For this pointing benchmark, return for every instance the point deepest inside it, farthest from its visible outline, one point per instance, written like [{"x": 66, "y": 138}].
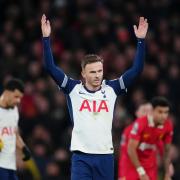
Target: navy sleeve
[
  {"x": 61, "y": 79},
  {"x": 130, "y": 75},
  {"x": 120, "y": 85},
  {"x": 117, "y": 85}
]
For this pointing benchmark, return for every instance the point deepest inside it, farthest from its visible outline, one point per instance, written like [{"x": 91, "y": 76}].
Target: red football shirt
[{"x": 149, "y": 137}]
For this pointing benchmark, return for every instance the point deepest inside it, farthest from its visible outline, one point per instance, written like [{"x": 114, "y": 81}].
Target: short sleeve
[
  {"x": 117, "y": 85},
  {"x": 68, "y": 84}
]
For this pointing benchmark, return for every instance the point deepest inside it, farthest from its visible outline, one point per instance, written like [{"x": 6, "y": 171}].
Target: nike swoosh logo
[{"x": 81, "y": 92}]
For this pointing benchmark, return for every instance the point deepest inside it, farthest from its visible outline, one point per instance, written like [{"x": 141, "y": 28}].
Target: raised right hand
[{"x": 45, "y": 26}]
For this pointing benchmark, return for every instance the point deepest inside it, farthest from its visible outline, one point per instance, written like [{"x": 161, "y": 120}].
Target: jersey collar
[{"x": 90, "y": 90}]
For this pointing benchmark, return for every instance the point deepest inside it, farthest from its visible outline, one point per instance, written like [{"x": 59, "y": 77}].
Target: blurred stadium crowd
[{"x": 79, "y": 27}]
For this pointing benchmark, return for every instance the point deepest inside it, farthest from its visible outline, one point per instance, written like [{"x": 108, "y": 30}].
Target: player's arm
[
  {"x": 132, "y": 152},
  {"x": 22, "y": 147},
  {"x": 133, "y": 144},
  {"x": 138, "y": 64},
  {"x": 121, "y": 84},
  {"x": 166, "y": 161},
  {"x": 56, "y": 73},
  {"x": 167, "y": 140}
]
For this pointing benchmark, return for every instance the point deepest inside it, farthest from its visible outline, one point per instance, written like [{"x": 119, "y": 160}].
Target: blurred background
[{"x": 80, "y": 27}]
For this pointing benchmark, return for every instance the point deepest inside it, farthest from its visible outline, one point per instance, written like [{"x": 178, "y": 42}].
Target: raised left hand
[{"x": 142, "y": 28}]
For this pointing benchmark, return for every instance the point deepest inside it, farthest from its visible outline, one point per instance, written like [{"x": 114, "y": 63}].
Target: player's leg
[
  {"x": 80, "y": 169},
  {"x": 103, "y": 168},
  {"x": 13, "y": 175},
  {"x": 4, "y": 174}
]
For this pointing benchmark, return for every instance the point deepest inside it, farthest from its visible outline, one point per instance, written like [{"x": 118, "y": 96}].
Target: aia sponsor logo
[
  {"x": 93, "y": 106},
  {"x": 7, "y": 131}
]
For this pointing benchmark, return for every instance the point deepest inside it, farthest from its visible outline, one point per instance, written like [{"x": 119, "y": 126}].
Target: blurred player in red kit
[
  {"x": 138, "y": 159},
  {"x": 142, "y": 110}
]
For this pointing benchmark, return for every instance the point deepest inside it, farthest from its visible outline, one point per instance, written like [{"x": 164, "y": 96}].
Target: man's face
[
  {"x": 143, "y": 110},
  {"x": 14, "y": 98},
  {"x": 93, "y": 74},
  {"x": 160, "y": 114}
]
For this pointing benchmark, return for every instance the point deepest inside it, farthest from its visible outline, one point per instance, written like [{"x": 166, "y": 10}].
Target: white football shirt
[
  {"x": 8, "y": 126},
  {"x": 92, "y": 114}
]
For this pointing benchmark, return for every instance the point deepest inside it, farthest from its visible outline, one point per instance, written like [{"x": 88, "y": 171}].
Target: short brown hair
[{"x": 90, "y": 58}]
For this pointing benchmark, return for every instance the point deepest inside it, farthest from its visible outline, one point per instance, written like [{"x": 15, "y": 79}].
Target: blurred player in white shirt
[{"x": 9, "y": 136}]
